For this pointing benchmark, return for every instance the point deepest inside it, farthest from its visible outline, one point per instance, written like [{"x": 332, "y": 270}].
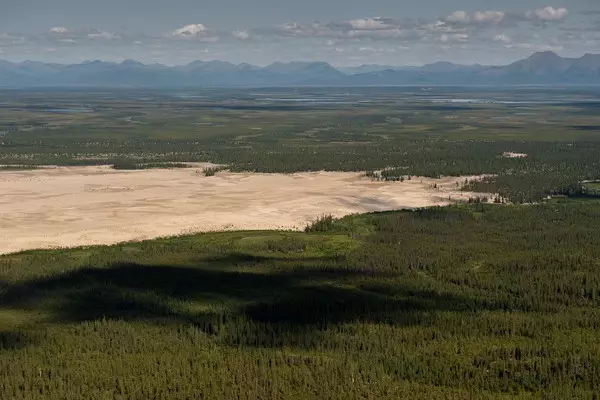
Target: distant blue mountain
[{"x": 544, "y": 68}]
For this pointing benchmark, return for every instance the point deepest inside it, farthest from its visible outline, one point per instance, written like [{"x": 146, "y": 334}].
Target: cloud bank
[{"x": 461, "y": 35}]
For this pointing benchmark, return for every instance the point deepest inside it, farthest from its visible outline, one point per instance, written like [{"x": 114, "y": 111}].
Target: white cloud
[
  {"x": 486, "y": 32},
  {"x": 370, "y": 49},
  {"x": 241, "y": 34},
  {"x": 547, "y": 14},
  {"x": 488, "y": 16},
  {"x": 458, "y": 17},
  {"x": 375, "y": 28},
  {"x": 477, "y": 17},
  {"x": 191, "y": 30},
  {"x": 196, "y": 32},
  {"x": 453, "y": 38},
  {"x": 364, "y": 28},
  {"x": 438, "y": 27},
  {"x": 502, "y": 38},
  {"x": 59, "y": 34},
  {"x": 59, "y": 30},
  {"x": 395, "y": 33},
  {"x": 306, "y": 30},
  {"x": 371, "y": 24}
]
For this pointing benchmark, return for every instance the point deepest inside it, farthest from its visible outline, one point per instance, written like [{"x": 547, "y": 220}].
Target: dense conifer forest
[{"x": 473, "y": 301}]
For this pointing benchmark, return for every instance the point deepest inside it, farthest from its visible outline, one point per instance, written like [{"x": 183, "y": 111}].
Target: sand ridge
[{"x": 75, "y": 206}]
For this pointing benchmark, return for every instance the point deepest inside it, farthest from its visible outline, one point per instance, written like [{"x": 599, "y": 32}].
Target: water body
[
  {"x": 316, "y": 100},
  {"x": 482, "y": 101},
  {"x": 188, "y": 96},
  {"x": 73, "y": 110},
  {"x": 514, "y": 102}
]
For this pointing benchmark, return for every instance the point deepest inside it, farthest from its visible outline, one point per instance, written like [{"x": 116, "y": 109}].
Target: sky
[{"x": 341, "y": 32}]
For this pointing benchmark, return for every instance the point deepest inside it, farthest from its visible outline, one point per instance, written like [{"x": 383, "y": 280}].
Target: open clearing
[{"x": 75, "y": 206}]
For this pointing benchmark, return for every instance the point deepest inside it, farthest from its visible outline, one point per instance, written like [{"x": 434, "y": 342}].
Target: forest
[{"x": 473, "y": 301}]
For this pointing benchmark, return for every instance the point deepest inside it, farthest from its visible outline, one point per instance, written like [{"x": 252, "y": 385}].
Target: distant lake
[
  {"x": 74, "y": 110},
  {"x": 313, "y": 100},
  {"x": 516, "y": 102},
  {"x": 188, "y": 96},
  {"x": 480, "y": 101}
]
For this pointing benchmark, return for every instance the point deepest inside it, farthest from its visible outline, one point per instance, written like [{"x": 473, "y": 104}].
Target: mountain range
[{"x": 544, "y": 68}]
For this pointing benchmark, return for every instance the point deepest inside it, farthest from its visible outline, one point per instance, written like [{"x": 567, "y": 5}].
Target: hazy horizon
[
  {"x": 337, "y": 66},
  {"x": 343, "y": 34}
]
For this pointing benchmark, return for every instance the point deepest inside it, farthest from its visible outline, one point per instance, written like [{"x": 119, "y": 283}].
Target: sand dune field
[{"x": 74, "y": 206}]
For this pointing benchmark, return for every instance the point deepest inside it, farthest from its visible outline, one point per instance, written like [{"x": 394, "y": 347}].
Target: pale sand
[
  {"x": 66, "y": 207},
  {"x": 511, "y": 154}
]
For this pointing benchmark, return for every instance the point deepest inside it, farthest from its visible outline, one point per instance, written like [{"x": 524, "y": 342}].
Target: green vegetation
[
  {"x": 324, "y": 223},
  {"x": 131, "y": 165},
  {"x": 212, "y": 171},
  {"x": 17, "y": 167},
  {"x": 590, "y": 188},
  {"x": 400, "y": 132},
  {"x": 474, "y": 301}
]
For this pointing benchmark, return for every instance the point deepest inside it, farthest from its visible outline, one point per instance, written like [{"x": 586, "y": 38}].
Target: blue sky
[{"x": 350, "y": 32}]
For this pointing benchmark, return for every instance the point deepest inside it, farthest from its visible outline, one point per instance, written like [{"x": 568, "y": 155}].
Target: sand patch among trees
[{"x": 66, "y": 207}]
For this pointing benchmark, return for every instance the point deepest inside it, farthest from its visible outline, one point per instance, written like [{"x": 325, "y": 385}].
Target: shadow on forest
[
  {"x": 14, "y": 340},
  {"x": 249, "y": 260},
  {"x": 289, "y": 301}
]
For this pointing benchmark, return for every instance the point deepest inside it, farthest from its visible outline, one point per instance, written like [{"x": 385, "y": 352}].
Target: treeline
[
  {"x": 212, "y": 171},
  {"x": 132, "y": 165},
  {"x": 549, "y": 168}
]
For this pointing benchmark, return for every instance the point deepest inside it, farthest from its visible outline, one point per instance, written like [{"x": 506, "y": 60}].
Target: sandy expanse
[
  {"x": 512, "y": 154},
  {"x": 65, "y": 207}
]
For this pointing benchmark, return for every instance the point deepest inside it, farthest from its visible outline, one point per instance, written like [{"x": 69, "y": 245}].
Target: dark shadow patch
[
  {"x": 281, "y": 307},
  {"x": 14, "y": 340},
  {"x": 586, "y": 127}
]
